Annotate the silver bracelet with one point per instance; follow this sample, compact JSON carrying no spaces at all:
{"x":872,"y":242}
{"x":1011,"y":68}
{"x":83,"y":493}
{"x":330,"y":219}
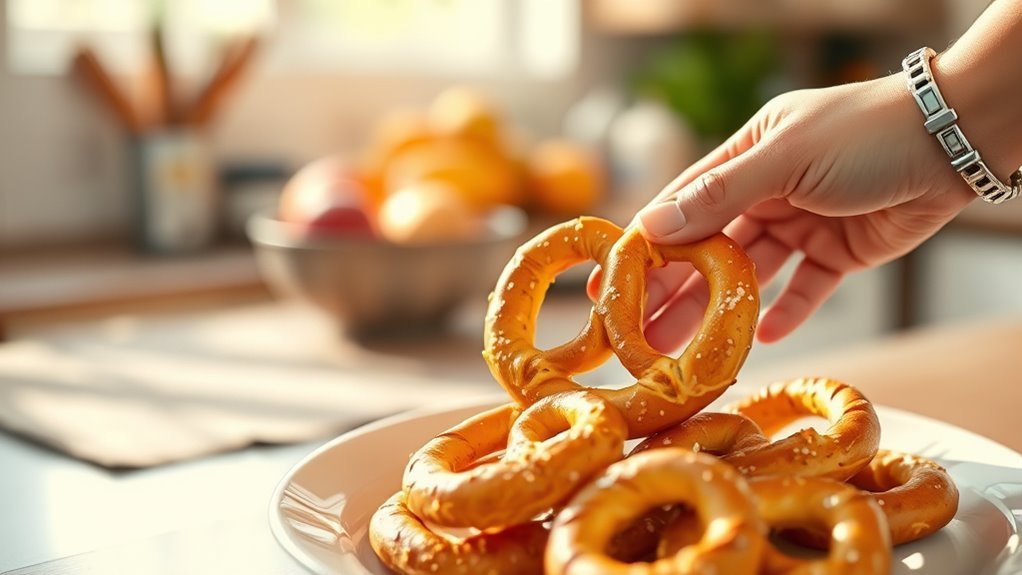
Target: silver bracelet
{"x":941,"y":121}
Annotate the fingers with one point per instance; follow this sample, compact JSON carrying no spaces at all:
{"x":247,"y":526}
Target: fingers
{"x":661,"y":285}
{"x":593,"y":284}
{"x":722,"y":153}
{"x":677,"y":322}
{"x":714,"y":198}
{"x":809,"y":287}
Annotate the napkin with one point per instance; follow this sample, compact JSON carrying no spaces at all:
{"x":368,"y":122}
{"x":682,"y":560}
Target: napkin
{"x":136,"y":391}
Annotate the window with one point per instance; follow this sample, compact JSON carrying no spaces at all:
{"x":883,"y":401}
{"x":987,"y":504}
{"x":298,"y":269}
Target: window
{"x":465,"y":37}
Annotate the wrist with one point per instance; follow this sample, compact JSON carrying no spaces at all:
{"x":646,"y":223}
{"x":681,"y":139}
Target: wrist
{"x":987,"y":110}
{"x":927,"y":166}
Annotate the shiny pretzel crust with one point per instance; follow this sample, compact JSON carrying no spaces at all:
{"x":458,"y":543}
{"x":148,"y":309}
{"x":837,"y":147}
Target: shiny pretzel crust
{"x":540,"y":469}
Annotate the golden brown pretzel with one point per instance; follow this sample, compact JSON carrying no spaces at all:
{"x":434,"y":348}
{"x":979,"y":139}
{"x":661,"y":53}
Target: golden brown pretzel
{"x":668,"y":390}
{"x":916,"y":494}
{"x":671,"y":390}
{"x":731,"y":543}
{"x":527,"y":373}
{"x":718,"y":434}
{"x":540,"y":469}
{"x":847,"y":446}
{"x":859,"y":539}
{"x":408,"y":546}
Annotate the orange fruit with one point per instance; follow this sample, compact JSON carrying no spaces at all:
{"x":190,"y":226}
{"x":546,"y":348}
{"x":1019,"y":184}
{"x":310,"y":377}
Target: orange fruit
{"x":483,"y":176}
{"x":428,"y":212}
{"x":565,"y":178}
{"x":463,"y":112}
{"x":396,"y":132}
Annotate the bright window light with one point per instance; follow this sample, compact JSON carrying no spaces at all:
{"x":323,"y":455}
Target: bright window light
{"x":419,"y":37}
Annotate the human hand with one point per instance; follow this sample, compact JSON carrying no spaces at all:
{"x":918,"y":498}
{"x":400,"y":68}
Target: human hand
{"x":844,"y":176}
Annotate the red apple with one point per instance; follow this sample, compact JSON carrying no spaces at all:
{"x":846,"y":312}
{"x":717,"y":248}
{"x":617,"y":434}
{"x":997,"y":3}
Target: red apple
{"x":327,"y":198}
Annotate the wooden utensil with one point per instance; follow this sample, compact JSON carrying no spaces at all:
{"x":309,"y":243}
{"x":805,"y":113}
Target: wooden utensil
{"x":88,"y":66}
{"x":225,"y":78}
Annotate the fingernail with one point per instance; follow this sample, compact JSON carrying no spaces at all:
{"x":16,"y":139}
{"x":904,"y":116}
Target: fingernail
{"x":662,"y":220}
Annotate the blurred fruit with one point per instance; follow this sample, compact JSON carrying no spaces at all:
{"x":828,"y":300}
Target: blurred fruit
{"x":482,"y":176}
{"x":327,"y":197}
{"x":566,"y":179}
{"x":466,"y":113}
{"x":396,"y":132}
{"x":428,"y":212}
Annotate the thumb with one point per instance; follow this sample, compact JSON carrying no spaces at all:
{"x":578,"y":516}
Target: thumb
{"x":711,"y":200}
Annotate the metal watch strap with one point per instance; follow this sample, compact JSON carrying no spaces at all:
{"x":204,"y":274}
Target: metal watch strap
{"x":942,"y":121}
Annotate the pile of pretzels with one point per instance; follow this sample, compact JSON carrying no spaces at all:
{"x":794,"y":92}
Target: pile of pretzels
{"x":543,"y":484}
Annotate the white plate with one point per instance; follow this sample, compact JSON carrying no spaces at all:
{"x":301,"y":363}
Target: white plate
{"x":320,"y":510}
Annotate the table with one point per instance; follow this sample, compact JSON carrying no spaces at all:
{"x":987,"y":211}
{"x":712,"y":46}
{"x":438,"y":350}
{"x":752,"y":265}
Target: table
{"x":60,"y":515}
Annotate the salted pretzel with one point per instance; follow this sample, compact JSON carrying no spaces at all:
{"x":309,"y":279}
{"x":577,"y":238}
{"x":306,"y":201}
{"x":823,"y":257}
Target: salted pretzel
{"x":856,"y":530}
{"x":859,"y":539}
{"x":667,"y":390}
{"x":540,"y":468}
{"x":720,"y":434}
{"x":916,"y":495}
{"x":731,"y":543}
{"x":841,"y":451}
{"x":406,"y":545}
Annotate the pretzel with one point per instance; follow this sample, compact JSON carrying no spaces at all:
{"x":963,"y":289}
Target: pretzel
{"x":671,"y":390}
{"x":719,"y":434}
{"x":847,"y":446}
{"x":667,"y":390}
{"x":527,"y":373}
{"x":731,"y":543}
{"x":540,"y":469}
{"x":859,"y":538}
{"x":916,"y":495}
{"x":406,"y":545}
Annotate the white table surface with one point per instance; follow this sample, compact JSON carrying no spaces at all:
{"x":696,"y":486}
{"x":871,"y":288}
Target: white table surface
{"x":61,"y":515}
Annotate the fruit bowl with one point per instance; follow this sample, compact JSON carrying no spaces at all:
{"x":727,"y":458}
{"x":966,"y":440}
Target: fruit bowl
{"x":372,"y":287}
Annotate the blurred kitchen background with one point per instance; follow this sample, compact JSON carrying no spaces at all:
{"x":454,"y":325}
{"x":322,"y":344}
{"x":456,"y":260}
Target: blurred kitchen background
{"x":158,"y":255}
{"x":145,"y":149}
{"x":237,"y":95}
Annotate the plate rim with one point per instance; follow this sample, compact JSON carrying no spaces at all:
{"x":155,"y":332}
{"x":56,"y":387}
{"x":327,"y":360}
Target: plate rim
{"x":307,"y":561}
{"x":277,"y":527}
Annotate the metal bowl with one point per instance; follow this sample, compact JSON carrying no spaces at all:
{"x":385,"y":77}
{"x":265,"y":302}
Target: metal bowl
{"x":372,"y":287}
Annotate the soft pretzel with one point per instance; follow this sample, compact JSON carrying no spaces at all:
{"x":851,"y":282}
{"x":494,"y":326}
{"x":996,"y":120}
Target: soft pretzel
{"x":731,"y":543}
{"x":526,"y":372}
{"x":916,"y":495}
{"x":859,"y":538}
{"x":847,"y":446}
{"x":667,"y":390}
{"x":671,"y":390}
{"x":719,"y":434}
{"x":540,"y":469}
{"x":406,"y":545}
{"x":855,"y":527}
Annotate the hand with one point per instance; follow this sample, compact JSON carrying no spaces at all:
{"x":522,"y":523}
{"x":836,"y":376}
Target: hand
{"x":845,"y":176}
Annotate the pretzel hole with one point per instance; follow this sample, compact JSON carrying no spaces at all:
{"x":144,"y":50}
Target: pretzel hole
{"x":558,"y":323}
{"x":638,"y":542}
{"x":814,"y":422}
{"x":782,"y":544}
{"x":684,"y":309}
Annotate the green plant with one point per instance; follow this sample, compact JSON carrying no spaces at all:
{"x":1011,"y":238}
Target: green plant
{"x":714,"y":80}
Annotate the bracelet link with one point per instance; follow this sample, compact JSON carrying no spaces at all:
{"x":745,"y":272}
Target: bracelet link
{"x":942,"y":121}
